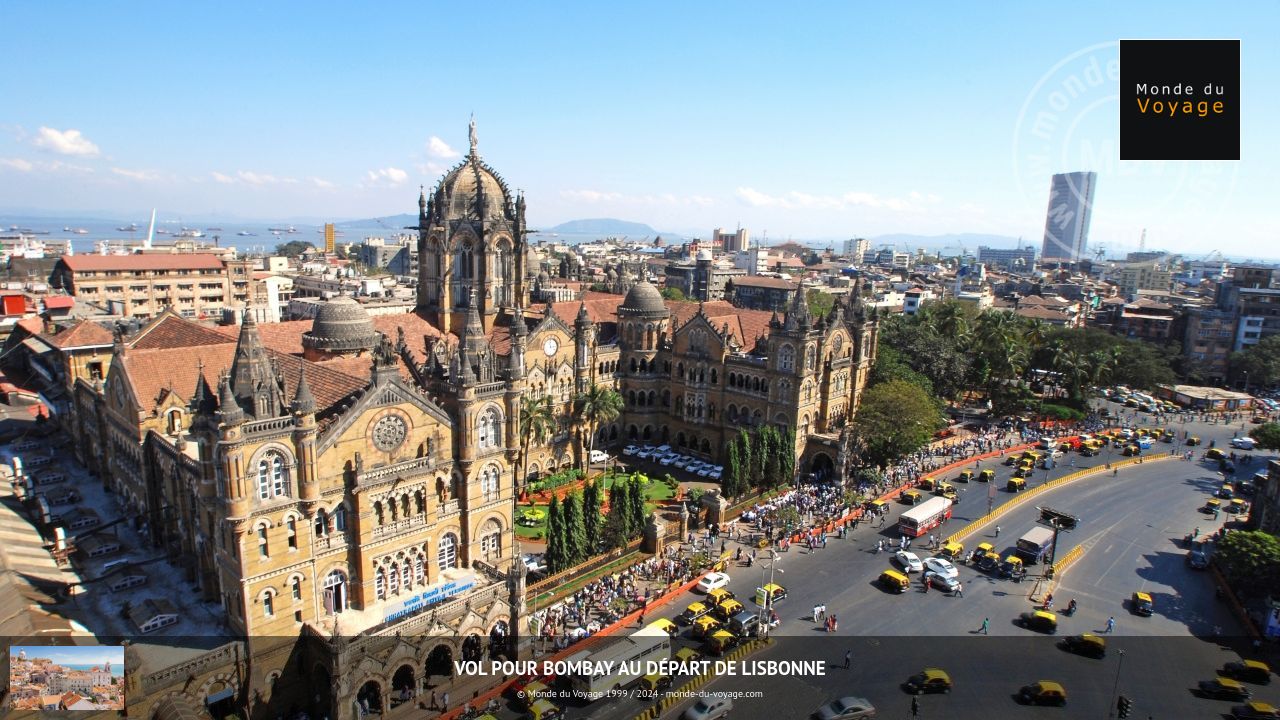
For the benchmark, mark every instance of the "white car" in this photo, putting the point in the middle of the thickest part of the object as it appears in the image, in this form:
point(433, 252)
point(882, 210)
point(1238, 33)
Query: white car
point(695, 466)
point(630, 450)
point(709, 708)
point(680, 461)
point(644, 454)
point(713, 581)
point(846, 708)
point(941, 566)
point(715, 474)
point(706, 471)
point(668, 459)
point(909, 561)
point(664, 449)
point(599, 456)
point(1243, 443)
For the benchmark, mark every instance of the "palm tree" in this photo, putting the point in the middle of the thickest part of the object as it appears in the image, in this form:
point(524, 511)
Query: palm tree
point(949, 319)
point(597, 405)
point(537, 423)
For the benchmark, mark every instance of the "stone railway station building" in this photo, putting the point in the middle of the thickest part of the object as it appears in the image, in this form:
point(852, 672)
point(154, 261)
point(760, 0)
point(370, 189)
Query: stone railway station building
point(344, 487)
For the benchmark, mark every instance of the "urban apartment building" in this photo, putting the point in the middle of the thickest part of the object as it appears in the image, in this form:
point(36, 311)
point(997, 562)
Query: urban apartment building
point(761, 292)
point(1014, 259)
point(1066, 226)
point(731, 242)
point(142, 285)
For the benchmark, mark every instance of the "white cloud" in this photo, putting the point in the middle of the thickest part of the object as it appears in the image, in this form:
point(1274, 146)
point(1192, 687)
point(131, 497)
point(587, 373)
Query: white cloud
point(16, 164)
point(390, 175)
point(224, 179)
point(259, 179)
point(65, 142)
point(590, 196)
point(796, 200)
point(438, 148)
point(322, 184)
point(431, 169)
point(136, 174)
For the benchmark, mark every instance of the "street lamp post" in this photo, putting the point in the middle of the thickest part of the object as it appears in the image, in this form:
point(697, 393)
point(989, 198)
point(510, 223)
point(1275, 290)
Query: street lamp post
point(1115, 688)
point(767, 605)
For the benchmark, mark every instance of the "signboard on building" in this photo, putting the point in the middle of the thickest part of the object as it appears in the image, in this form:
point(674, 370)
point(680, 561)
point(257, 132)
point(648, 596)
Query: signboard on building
point(431, 596)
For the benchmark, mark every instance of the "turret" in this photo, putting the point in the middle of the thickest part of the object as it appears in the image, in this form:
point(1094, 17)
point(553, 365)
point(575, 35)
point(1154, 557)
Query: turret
point(229, 412)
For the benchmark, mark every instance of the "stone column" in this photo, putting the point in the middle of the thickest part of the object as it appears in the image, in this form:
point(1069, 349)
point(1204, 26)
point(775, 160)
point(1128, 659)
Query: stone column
point(654, 533)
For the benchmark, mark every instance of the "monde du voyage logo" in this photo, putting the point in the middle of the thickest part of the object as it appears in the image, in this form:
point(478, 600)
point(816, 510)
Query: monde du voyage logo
point(1179, 99)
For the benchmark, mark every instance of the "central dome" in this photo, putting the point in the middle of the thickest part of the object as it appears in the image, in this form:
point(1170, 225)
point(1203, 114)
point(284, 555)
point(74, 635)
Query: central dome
point(644, 297)
point(341, 326)
point(460, 187)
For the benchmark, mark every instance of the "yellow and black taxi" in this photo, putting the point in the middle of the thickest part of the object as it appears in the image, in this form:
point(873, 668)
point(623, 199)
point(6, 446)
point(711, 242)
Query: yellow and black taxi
point(1253, 671)
point(1039, 621)
point(1012, 460)
point(695, 611)
point(703, 626)
point(770, 594)
point(717, 596)
point(687, 655)
point(948, 491)
point(1022, 471)
point(532, 692)
point(721, 642)
point(964, 476)
point(987, 475)
point(1016, 483)
point(1142, 604)
point(894, 581)
point(1211, 505)
point(1255, 711)
point(1214, 454)
point(728, 609)
point(1044, 692)
point(911, 497)
point(926, 484)
point(1132, 450)
point(1237, 506)
point(544, 710)
point(929, 680)
point(989, 561)
point(1193, 441)
point(666, 626)
point(1086, 644)
point(951, 550)
point(1224, 491)
point(1221, 688)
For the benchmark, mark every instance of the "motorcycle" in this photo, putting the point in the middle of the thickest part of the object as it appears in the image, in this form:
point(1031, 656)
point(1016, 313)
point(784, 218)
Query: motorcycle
point(1071, 609)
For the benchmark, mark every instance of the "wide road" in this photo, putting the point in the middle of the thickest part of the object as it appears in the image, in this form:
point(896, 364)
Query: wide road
point(1131, 528)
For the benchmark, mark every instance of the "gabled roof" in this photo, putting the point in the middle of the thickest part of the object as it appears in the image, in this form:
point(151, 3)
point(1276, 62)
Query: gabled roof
point(170, 330)
point(745, 326)
point(83, 334)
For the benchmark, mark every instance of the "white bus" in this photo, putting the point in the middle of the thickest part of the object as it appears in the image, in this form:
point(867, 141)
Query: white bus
point(924, 517)
point(645, 644)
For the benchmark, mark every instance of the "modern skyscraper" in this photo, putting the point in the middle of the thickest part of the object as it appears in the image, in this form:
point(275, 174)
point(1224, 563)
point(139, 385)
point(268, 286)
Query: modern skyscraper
point(1066, 226)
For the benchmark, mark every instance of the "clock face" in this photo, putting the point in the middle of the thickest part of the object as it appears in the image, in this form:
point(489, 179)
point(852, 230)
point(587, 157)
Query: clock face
point(550, 346)
point(389, 432)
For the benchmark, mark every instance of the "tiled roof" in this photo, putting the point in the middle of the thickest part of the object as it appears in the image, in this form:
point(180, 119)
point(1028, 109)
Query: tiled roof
point(82, 334)
point(601, 308)
point(1051, 301)
point(1040, 312)
point(153, 371)
point(744, 325)
point(59, 302)
point(285, 337)
point(32, 325)
point(169, 330)
point(149, 261)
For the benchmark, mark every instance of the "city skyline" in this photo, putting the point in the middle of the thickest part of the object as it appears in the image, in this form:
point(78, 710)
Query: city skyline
point(838, 122)
point(74, 654)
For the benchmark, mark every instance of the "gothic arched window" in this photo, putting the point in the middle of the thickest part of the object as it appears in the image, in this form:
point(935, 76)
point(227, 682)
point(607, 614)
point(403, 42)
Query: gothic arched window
point(786, 358)
point(489, 429)
point(273, 479)
point(447, 553)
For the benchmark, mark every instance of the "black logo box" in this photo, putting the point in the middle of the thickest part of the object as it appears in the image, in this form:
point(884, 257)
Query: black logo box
point(1154, 124)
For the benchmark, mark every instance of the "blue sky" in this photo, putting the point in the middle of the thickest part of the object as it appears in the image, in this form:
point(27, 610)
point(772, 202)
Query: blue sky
point(74, 654)
point(803, 120)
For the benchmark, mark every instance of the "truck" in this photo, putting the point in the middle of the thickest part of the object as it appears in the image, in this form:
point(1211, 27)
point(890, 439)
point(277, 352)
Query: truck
point(1035, 544)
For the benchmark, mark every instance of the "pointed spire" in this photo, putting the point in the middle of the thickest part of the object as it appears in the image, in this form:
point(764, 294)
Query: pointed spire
point(798, 317)
point(518, 327)
point(254, 379)
point(304, 403)
point(474, 326)
point(229, 411)
point(471, 136)
point(583, 318)
point(422, 201)
point(203, 399)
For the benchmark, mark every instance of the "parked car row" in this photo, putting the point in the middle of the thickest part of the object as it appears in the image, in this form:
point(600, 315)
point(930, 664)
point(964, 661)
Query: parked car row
point(665, 456)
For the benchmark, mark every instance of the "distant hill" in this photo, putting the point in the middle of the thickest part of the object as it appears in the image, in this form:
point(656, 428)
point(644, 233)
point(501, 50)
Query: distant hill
point(970, 241)
point(602, 226)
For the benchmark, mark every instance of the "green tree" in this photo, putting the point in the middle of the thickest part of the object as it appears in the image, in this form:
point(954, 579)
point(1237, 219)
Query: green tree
point(746, 457)
point(1259, 364)
point(820, 303)
point(592, 521)
point(889, 365)
point(730, 479)
point(293, 248)
point(673, 293)
point(787, 457)
point(575, 529)
point(1267, 435)
point(895, 419)
point(1250, 561)
point(760, 447)
point(635, 508)
point(617, 528)
point(773, 457)
point(537, 423)
point(557, 559)
point(598, 405)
